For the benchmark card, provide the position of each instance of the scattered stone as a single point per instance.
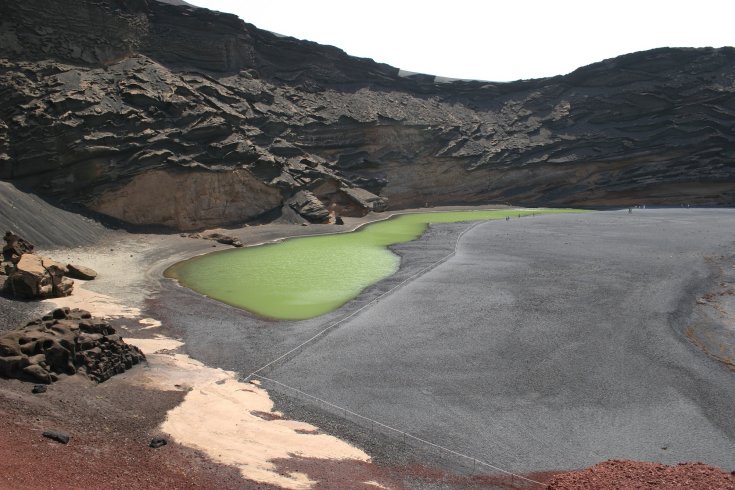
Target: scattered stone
(309, 206)
(58, 314)
(219, 238)
(38, 389)
(268, 416)
(365, 200)
(65, 341)
(157, 442)
(81, 272)
(57, 436)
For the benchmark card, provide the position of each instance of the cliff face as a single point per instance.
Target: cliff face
(167, 114)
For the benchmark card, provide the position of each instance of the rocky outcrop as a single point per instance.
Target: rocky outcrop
(189, 200)
(217, 237)
(36, 277)
(65, 342)
(172, 115)
(310, 207)
(15, 247)
(25, 275)
(80, 272)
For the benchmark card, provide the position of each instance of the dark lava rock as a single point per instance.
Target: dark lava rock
(80, 272)
(34, 276)
(309, 206)
(25, 275)
(14, 247)
(38, 389)
(338, 220)
(157, 442)
(219, 238)
(59, 314)
(65, 341)
(182, 117)
(57, 436)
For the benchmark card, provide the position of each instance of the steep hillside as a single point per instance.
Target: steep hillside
(178, 116)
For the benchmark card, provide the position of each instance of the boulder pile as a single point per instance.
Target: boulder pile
(65, 342)
(25, 275)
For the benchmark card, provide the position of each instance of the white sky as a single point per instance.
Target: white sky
(492, 40)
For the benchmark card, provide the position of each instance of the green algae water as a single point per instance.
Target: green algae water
(305, 277)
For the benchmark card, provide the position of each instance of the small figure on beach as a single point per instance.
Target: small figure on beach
(630, 210)
(507, 218)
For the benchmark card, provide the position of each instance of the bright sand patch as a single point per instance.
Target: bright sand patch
(155, 345)
(150, 322)
(218, 417)
(97, 304)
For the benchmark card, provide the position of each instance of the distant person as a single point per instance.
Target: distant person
(630, 210)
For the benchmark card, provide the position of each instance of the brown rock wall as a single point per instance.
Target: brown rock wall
(189, 200)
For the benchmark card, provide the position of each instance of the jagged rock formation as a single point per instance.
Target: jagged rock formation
(65, 342)
(217, 237)
(25, 275)
(34, 277)
(178, 116)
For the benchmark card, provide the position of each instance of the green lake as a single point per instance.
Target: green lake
(305, 277)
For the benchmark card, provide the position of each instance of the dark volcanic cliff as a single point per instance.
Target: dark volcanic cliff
(172, 115)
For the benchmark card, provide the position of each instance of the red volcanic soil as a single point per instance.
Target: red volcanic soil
(111, 424)
(621, 475)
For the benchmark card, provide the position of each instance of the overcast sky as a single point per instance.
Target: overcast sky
(492, 40)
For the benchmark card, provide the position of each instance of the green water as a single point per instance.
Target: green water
(306, 277)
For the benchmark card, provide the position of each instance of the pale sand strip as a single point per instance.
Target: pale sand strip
(100, 305)
(217, 418)
(217, 414)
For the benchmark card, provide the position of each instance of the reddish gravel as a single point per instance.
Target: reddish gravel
(110, 425)
(621, 475)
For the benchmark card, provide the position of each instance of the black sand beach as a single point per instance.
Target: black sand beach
(545, 343)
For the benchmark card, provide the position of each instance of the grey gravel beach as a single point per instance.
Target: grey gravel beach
(545, 343)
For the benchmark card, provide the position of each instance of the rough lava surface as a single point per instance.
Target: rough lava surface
(171, 115)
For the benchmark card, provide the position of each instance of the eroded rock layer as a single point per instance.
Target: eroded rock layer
(65, 341)
(179, 116)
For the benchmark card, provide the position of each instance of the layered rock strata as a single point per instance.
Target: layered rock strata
(182, 117)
